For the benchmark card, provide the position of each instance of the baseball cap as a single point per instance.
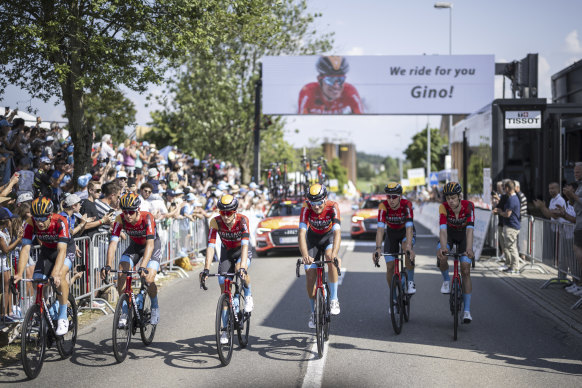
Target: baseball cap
(83, 180)
(190, 197)
(145, 143)
(5, 214)
(122, 174)
(45, 159)
(5, 123)
(152, 172)
(24, 197)
(72, 200)
(50, 138)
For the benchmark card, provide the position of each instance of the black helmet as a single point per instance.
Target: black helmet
(129, 201)
(452, 188)
(393, 188)
(317, 192)
(41, 207)
(227, 203)
(332, 65)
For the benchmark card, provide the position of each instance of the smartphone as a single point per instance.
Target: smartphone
(81, 268)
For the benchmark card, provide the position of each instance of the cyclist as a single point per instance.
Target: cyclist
(145, 244)
(331, 94)
(319, 231)
(395, 216)
(57, 251)
(235, 253)
(457, 220)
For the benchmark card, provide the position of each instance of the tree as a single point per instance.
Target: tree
(109, 112)
(480, 158)
(335, 170)
(210, 105)
(416, 151)
(73, 47)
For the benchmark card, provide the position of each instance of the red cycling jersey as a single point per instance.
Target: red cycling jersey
(395, 218)
(320, 223)
(144, 229)
(465, 219)
(233, 237)
(57, 232)
(312, 101)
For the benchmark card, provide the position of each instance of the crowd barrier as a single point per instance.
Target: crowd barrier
(179, 238)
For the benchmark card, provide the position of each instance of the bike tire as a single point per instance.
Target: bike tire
(224, 350)
(405, 297)
(327, 314)
(244, 323)
(122, 335)
(66, 343)
(396, 313)
(33, 344)
(147, 331)
(319, 321)
(456, 306)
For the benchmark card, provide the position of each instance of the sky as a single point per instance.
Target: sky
(507, 29)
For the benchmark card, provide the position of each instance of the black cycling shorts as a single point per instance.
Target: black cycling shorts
(395, 237)
(317, 244)
(134, 252)
(46, 262)
(230, 257)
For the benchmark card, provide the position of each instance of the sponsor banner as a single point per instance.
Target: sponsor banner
(523, 119)
(420, 84)
(416, 177)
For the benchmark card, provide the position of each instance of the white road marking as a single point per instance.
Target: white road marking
(314, 375)
(341, 278)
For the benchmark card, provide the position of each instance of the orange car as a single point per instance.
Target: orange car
(365, 219)
(278, 231)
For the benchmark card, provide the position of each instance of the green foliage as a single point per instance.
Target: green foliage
(479, 159)
(109, 112)
(335, 170)
(416, 151)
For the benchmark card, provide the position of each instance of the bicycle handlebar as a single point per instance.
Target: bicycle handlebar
(49, 280)
(399, 254)
(320, 263)
(203, 278)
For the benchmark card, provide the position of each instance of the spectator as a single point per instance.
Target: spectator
(47, 149)
(132, 185)
(122, 181)
(102, 218)
(25, 177)
(42, 179)
(523, 213)
(556, 202)
(6, 246)
(511, 227)
(153, 179)
(71, 206)
(106, 152)
(575, 197)
(130, 156)
(499, 199)
(146, 190)
(82, 183)
(61, 179)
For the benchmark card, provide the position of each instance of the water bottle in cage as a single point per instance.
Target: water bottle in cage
(236, 304)
(139, 299)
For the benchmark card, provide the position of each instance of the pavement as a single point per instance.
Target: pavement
(553, 299)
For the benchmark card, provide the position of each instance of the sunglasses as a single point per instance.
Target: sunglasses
(147, 191)
(227, 213)
(129, 212)
(40, 219)
(332, 80)
(318, 203)
(393, 196)
(97, 191)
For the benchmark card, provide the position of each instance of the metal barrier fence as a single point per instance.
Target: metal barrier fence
(179, 238)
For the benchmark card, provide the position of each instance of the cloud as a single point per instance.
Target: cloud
(356, 51)
(573, 43)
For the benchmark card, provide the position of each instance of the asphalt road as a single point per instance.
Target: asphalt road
(509, 343)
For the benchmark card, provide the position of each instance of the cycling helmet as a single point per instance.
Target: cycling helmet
(41, 207)
(393, 188)
(227, 203)
(452, 188)
(129, 201)
(317, 192)
(332, 65)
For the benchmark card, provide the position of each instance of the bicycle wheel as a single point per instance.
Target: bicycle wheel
(244, 322)
(224, 350)
(319, 321)
(327, 313)
(405, 297)
(146, 329)
(396, 310)
(455, 293)
(122, 331)
(33, 344)
(66, 343)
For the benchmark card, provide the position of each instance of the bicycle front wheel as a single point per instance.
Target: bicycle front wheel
(396, 310)
(244, 322)
(33, 343)
(122, 327)
(224, 349)
(319, 321)
(66, 344)
(327, 313)
(405, 297)
(146, 329)
(456, 295)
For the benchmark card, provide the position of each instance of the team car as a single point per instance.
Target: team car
(365, 219)
(278, 231)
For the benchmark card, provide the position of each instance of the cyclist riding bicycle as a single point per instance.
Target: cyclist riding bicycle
(457, 220)
(396, 218)
(320, 231)
(145, 245)
(235, 253)
(57, 252)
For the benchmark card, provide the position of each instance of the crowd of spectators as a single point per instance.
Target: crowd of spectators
(173, 185)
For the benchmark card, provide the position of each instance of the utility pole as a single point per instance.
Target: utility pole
(257, 131)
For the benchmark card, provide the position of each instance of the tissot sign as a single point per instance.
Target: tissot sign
(424, 84)
(523, 119)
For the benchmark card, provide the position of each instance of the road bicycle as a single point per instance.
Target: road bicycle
(322, 302)
(399, 296)
(39, 326)
(136, 309)
(237, 318)
(456, 295)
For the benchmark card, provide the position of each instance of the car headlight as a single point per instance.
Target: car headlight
(357, 218)
(263, 230)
